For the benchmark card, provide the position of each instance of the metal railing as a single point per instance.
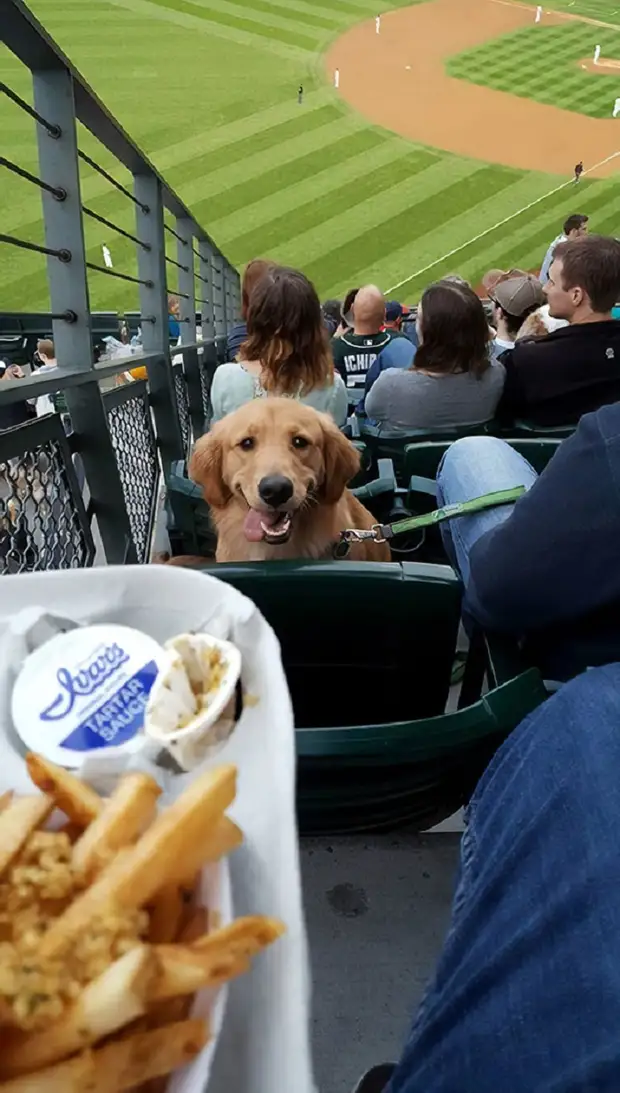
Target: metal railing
(93, 471)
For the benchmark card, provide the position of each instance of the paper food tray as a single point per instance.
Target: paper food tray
(260, 1024)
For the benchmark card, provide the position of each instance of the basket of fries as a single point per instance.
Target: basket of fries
(122, 964)
(111, 951)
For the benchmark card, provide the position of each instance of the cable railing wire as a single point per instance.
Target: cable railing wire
(121, 231)
(176, 234)
(92, 163)
(175, 292)
(53, 130)
(55, 191)
(121, 276)
(179, 265)
(63, 254)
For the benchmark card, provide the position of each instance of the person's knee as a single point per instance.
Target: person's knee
(471, 450)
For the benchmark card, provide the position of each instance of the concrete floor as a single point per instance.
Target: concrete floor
(377, 910)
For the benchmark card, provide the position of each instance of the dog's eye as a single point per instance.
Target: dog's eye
(300, 442)
(247, 443)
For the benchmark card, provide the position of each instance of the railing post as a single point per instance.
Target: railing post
(68, 285)
(191, 366)
(219, 313)
(205, 270)
(154, 313)
(210, 357)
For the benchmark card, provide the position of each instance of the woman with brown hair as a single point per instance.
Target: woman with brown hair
(453, 382)
(254, 271)
(286, 351)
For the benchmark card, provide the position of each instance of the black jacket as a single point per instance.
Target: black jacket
(550, 572)
(555, 379)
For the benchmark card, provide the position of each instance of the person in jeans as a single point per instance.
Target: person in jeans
(555, 379)
(452, 382)
(526, 995)
(546, 569)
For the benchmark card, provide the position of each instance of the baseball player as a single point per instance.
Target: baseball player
(337, 78)
(597, 53)
(378, 24)
(616, 108)
(538, 14)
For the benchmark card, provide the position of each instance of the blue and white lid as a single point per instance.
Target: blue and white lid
(84, 692)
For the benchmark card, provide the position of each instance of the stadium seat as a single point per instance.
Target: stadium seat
(368, 651)
(394, 447)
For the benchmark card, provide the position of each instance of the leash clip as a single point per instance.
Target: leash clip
(356, 535)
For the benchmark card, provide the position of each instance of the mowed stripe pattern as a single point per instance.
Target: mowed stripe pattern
(313, 186)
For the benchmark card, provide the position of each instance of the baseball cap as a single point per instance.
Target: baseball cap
(516, 291)
(394, 311)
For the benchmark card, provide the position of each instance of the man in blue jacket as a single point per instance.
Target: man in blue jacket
(546, 569)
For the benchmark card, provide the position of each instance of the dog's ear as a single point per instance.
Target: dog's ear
(206, 468)
(342, 461)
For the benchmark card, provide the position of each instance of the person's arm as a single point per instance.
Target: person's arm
(513, 403)
(556, 557)
(377, 400)
(340, 401)
(546, 266)
(219, 390)
(338, 358)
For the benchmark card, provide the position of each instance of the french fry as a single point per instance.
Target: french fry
(166, 914)
(245, 936)
(78, 801)
(140, 871)
(17, 821)
(221, 840)
(124, 817)
(118, 1066)
(5, 799)
(213, 958)
(117, 997)
(195, 924)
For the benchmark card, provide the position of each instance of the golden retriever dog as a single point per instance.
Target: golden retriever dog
(275, 473)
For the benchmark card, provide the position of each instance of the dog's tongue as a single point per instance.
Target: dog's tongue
(252, 524)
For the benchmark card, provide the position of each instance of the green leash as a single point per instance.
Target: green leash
(381, 533)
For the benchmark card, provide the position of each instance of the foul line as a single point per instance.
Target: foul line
(494, 227)
(559, 14)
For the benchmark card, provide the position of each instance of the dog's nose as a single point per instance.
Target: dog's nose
(275, 489)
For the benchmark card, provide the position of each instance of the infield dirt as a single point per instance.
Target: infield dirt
(398, 79)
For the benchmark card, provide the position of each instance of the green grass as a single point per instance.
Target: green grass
(208, 89)
(541, 63)
(608, 11)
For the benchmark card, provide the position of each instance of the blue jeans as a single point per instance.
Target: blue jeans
(472, 466)
(527, 991)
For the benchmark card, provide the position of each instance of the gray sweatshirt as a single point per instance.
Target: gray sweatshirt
(406, 400)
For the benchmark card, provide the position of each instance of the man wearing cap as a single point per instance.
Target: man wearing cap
(515, 295)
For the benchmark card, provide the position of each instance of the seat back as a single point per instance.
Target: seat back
(362, 643)
(386, 447)
(422, 460)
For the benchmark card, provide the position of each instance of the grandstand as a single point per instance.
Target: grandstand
(94, 452)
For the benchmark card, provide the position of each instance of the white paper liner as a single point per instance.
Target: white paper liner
(263, 1044)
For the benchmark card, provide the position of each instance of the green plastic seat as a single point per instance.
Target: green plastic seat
(422, 460)
(386, 447)
(368, 651)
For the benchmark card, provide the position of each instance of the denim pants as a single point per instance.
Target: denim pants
(472, 466)
(526, 997)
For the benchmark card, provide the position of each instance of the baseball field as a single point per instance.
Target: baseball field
(449, 145)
